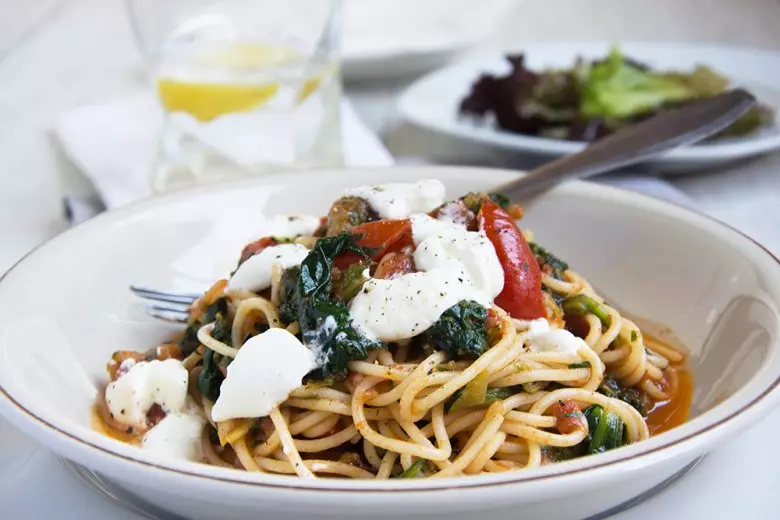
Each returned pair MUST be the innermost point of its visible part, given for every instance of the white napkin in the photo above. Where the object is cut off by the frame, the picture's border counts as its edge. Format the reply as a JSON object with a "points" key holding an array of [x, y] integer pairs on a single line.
{"points": [[113, 145]]}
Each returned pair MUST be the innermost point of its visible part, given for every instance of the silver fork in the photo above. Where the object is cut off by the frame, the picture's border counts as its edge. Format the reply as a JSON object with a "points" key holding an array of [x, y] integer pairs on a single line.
{"points": [[168, 306]]}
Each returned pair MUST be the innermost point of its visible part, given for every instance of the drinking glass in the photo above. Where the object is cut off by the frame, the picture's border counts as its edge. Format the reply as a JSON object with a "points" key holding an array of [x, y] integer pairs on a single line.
{"points": [[246, 86]]}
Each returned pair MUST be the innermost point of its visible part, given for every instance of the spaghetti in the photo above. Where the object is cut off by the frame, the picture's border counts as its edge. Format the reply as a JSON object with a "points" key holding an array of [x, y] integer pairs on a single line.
{"points": [[411, 407]]}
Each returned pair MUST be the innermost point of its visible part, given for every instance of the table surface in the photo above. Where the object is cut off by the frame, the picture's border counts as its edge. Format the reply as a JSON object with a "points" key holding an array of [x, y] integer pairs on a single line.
{"points": [[57, 54]]}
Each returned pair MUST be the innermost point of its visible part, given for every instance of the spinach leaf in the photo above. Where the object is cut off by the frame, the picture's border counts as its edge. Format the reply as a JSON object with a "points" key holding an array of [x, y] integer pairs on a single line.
{"points": [[555, 265], [451, 400], [214, 436], [552, 265], [557, 298], [605, 430], [326, 328], [414, 470], [460, 331], [289, 301], [491, 395], [210, 379], [219, 306], [325, 324], [498, 394], [315, 278], [583, 364], [189, 341], [636, 398], [559, 454], [581, 305], [500, 199], [222, 330]]}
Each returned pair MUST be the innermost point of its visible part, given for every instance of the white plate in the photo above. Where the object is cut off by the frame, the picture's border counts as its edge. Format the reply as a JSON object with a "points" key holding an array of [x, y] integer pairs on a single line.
{"points": [[432, 102], [399, 64]]}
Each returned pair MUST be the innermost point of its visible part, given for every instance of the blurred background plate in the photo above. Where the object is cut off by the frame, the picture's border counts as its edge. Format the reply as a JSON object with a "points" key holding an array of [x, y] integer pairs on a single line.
{"points": [[432, 102], [364, 67], [404, 38]]}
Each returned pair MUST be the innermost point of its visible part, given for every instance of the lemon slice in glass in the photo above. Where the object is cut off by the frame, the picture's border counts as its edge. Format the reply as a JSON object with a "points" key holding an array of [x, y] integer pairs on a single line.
{"points": [[312, 83], [206, 101]]}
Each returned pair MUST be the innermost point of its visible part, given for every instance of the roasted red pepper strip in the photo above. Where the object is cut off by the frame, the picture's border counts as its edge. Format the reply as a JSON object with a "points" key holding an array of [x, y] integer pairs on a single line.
{"points": [[383, 236], [569, 417], [255, 247], [394, 265], [521, 296], [386, 236]]}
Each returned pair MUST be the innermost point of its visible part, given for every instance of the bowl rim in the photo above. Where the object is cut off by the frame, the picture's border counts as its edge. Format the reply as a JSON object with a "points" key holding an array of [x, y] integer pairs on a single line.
{"points": [[605, 461]]}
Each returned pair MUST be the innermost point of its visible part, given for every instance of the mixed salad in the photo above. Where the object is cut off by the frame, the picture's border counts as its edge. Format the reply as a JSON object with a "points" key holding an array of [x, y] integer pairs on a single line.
{"points": [[593, 98]]}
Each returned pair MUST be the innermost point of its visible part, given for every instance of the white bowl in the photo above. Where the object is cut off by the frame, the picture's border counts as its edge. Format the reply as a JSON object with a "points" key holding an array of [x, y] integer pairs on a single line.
{"points": [[66, 307]]}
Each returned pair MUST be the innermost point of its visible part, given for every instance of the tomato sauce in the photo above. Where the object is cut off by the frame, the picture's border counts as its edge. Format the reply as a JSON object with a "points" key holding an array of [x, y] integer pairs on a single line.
{"points": [[678, 385], [100, 425]]}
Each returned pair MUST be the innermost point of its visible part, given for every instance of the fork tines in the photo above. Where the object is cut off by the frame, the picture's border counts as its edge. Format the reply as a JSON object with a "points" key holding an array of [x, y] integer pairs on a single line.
{"points": [[166, 306], [161, 296]]}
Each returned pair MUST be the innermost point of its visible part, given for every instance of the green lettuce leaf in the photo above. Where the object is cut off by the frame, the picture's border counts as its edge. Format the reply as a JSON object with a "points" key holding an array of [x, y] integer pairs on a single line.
{"points": [[618, 89]]}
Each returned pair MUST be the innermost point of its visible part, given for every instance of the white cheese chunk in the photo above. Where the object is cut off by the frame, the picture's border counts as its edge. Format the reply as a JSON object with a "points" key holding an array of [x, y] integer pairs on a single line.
{"points": [[543, 338], [442, 245], [401, 308], [425, 226], [451, 213], [255, 273], [130, 397], [393, 201], [177, 435], [455, 264], [317, 345], [290, 226], [266, 369]]}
